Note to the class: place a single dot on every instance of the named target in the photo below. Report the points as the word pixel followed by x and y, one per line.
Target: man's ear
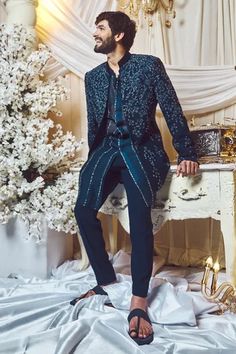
pixel 119 36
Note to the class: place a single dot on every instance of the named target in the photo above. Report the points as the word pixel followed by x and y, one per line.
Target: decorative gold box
pixel 215 143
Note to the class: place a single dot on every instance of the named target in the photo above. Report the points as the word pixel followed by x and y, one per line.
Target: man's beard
pixel 106 47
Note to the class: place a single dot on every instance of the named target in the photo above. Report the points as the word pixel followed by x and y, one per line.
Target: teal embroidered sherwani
pixel 143 84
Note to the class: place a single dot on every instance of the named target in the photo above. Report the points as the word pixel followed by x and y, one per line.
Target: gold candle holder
pixel 225 294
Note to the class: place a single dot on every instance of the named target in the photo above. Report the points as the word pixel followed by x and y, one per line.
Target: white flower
pixel 35 155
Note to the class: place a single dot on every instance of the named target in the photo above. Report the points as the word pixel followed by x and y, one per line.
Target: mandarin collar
pixel 121 62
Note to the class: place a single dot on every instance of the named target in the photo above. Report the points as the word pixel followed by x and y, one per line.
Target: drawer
pixel 191 196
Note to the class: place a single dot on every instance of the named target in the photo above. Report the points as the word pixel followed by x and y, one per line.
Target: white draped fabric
pixel 203 33
pixel 200 90
pixel 36 316
pixel 204 89
pixel 67 26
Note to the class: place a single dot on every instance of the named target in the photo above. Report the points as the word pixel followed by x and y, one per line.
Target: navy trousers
pixel 141 233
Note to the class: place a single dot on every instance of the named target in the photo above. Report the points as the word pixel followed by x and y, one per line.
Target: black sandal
pixel 98 291
pixel 140 314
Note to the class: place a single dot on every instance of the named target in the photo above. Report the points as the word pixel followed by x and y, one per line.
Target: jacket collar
pixel 121 62
pixel 102 85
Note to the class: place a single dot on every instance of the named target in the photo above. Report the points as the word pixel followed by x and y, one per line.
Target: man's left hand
pixel 186 168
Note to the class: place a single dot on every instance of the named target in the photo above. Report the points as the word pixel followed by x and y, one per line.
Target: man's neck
pixel 113 59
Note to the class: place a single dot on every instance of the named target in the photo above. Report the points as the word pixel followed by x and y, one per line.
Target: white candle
pixel 216 268
pixel 208 266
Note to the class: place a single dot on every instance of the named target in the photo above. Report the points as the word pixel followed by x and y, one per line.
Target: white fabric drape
pixel 67 26
pixel 199 90
pixel 36 316
pixel 203 33
pixel 204 89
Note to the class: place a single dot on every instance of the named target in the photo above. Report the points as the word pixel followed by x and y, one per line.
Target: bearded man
pixel 125 146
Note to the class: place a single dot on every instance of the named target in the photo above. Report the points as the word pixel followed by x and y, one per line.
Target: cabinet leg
pixel 84 258
pixel 228 222
pixel 113 233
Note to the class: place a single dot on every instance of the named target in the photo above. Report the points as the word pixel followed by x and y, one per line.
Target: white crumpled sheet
pixel 36 317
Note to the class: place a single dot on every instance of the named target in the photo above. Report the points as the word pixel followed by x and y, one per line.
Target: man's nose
pixel 95 34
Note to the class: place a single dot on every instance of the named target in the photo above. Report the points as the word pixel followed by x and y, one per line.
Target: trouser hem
pixel 139 293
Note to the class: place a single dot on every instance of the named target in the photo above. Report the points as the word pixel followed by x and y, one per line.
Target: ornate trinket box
pixel 215 143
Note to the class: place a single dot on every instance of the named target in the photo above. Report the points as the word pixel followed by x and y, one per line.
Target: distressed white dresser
pixel 211 193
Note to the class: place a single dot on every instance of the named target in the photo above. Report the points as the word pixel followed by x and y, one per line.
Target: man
pixel 126 147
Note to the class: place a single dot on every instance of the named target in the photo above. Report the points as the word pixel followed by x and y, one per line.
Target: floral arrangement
pixel 39 164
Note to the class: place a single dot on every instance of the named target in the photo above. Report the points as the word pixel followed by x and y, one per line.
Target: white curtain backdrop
pixel 203 33
pixel 67 26
pixel 204 89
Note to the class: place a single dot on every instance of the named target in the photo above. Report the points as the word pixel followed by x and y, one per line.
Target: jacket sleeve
pixel 172 111
pixel 92 124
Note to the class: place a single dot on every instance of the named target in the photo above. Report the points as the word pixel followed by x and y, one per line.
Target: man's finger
pixel 178 170
pixel 183 168
pixel 192 168
pixel 196 167
pixel 188 167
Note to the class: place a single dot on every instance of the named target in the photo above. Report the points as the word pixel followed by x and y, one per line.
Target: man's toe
pixel 133 332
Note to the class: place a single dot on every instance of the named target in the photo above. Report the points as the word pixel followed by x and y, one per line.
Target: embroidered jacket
pixel 144 84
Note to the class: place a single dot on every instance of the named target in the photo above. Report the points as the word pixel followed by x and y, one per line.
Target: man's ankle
pixel 139 298
pixel 113 282
pixel 139 302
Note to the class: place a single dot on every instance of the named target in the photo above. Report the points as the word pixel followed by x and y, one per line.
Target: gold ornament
pixel 149 7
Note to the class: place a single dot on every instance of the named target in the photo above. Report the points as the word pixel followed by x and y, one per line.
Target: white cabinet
pixel 211 193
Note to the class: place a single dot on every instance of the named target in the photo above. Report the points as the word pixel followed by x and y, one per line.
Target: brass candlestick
pixel 225 294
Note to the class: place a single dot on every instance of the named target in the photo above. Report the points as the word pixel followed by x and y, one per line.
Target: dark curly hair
pixel 119 22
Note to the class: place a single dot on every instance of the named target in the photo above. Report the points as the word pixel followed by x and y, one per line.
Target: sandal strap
pixel 99 290
pixel 139 313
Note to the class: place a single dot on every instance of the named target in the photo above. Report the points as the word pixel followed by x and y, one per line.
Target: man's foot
pixel 97 290
pixel 145 328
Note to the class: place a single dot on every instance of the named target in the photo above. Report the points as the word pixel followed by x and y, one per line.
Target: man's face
pixel 105 41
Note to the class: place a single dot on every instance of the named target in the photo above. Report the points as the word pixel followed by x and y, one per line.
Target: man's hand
pixel 186 168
